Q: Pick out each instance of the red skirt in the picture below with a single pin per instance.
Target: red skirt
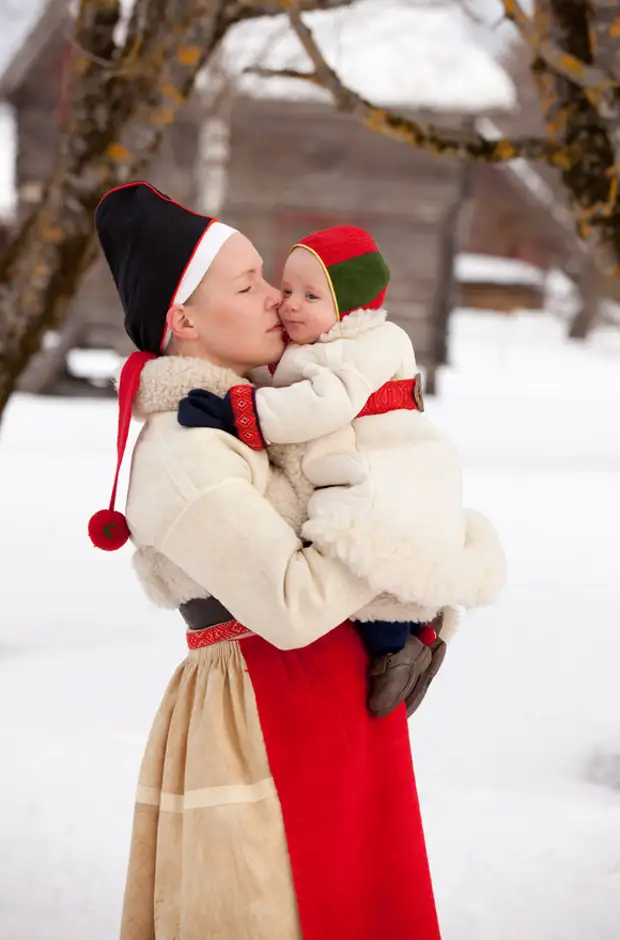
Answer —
(347, 789)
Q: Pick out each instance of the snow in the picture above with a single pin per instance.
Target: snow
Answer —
(17, 19)
(472, 268)
(517, 746)
(492, 28)
(94, 363)
(392, 52)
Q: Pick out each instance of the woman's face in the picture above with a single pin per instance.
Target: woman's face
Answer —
(232, 317)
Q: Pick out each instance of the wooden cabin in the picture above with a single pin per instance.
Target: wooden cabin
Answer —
(296, 164)
(278, 161)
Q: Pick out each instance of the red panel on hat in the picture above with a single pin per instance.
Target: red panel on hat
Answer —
(340, 243)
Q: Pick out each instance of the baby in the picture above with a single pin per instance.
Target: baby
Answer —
(387, 499)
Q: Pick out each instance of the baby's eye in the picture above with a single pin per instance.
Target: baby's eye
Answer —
(246, 290)
(286, 292)
(311, 296)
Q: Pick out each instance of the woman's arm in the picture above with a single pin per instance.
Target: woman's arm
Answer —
(217, 527)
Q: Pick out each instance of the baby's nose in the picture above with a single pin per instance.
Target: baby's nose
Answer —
(289, 303)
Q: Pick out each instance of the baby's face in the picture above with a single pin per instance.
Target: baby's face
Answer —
(307, 309)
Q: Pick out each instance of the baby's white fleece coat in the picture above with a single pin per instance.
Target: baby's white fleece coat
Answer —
(389, 503)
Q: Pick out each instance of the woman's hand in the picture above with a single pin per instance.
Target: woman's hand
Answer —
(235, 413)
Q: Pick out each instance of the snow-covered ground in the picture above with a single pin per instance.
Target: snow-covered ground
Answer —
(516, 748)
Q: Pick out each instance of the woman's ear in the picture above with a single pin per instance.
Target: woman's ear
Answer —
(179, 323)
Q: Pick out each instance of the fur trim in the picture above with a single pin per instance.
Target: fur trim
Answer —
(386, 607)
(288, 490)
(165, 381)
(354, 324)
(389, 560)
(261, 377)
(163, 582)
(450, 623)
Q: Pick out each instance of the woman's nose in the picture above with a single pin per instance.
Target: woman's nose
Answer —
(274, 297)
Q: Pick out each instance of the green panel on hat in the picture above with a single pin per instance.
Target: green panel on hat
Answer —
(358, 280)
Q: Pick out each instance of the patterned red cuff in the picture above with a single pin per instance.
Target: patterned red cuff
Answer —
(243, 404)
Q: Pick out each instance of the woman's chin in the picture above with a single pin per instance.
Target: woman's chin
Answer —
(277, 344)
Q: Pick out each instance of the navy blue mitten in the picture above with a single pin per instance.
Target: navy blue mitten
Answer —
(235, 413)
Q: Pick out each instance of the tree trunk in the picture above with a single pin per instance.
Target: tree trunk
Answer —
(588, 314)
(123, 99)
(572, 119)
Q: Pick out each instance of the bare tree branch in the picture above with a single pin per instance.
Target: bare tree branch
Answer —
(592, 181)
(116, 120)
(457, 142)
(600, 87)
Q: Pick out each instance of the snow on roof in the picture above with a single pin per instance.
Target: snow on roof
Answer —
(392, 52)
(471, 268)
(7, 162)
(17, 19)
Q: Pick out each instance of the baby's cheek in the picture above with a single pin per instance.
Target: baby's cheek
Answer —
(327, 320)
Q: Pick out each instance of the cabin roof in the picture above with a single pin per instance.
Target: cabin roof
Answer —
(392, 52)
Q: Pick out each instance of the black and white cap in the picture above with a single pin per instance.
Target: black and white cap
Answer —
(158, 252)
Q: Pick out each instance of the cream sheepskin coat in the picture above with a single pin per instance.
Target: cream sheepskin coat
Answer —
(185, 482)
(389, 503)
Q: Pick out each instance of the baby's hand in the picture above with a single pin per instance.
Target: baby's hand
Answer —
(334, 460)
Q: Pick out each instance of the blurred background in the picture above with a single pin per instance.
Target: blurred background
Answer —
(504, 273)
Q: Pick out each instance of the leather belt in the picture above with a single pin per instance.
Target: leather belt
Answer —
(203, 612)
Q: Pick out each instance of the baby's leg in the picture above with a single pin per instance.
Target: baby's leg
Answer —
(399, 659)
(381, 636)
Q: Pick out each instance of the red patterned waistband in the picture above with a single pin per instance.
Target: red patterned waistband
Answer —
(220, 633)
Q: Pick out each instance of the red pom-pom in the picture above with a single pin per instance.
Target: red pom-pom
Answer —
(427, 635)
(108, 530)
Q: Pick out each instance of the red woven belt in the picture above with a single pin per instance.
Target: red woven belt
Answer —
(231, 630)
(399, 395)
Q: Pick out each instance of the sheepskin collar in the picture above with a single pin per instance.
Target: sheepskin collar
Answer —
(357, 322)
(165, 381)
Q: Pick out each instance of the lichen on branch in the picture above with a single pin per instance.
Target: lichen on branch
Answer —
(456, 142)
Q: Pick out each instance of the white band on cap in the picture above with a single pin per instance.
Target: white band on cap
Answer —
(199, 263)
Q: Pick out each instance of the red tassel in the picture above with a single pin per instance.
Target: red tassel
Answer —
(108, 529)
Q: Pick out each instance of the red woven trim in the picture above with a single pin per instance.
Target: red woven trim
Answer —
(402, 394)
(246, 419)
(231, 630)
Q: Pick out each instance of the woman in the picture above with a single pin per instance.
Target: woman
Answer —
(270, 805)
